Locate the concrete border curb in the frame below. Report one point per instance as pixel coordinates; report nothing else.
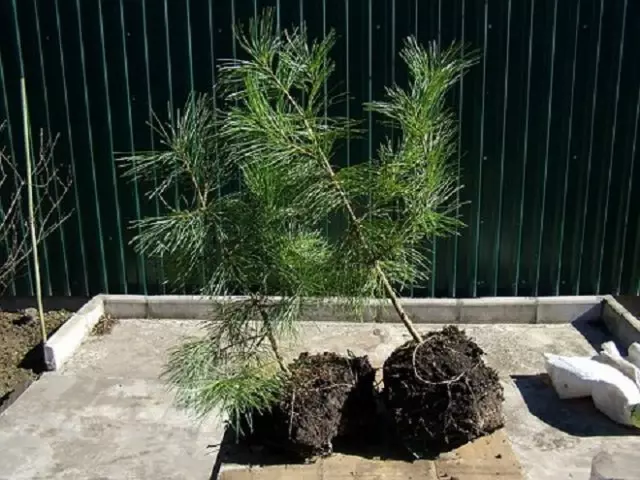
(620, 322)
(515, 310)
(491, 310)
(63, 344)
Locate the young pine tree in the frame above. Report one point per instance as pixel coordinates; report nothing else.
(225, 241)
(393, 204)
(266, 238)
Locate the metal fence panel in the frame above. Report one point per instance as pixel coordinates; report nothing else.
(548, 145)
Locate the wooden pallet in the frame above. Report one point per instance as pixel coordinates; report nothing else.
(489, 457)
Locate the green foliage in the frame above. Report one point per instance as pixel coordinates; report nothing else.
(245, 242)
(265, 241)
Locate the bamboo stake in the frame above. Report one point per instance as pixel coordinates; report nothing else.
(32, 220)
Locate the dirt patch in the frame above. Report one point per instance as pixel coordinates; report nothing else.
(440, 394)
(21, 349)
(104, 326)
(328, 396)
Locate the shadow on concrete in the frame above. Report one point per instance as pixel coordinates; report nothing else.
(596, 333)
(384, 445)
(232, 451)
(630, 302)
(577, 417)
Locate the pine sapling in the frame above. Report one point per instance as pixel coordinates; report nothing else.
(393, 203)
(226, 242)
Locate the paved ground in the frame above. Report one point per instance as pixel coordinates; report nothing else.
(107, 416)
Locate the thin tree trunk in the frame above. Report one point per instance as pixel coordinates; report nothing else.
(32, 220)
(272, 340)
(326, 164)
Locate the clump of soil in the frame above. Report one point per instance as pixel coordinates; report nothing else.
(104, 326)
(440, 393)
(21, 346)
(328, 396)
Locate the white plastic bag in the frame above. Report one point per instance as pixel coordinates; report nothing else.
(634, 354)
(574, 377)
(611, 349)
(618, 397)
(627, 368)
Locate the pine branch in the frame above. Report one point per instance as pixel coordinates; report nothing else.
(276, 120)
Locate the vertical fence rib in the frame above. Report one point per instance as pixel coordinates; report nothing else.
(114, 177)
(13, 159)
(103, 260)
(150, 120)
(370, 82)
(524, 153)
(629, 190)
(613, 141)
(348, 84)
(325, 86)
(496, 267)
(474, 288)
(190, 45)
(434, 241)
(546, 151)
(636, 262)
(278, 25)
(18, 40)
(415, 32)
(456, 240)
(65, 92)
(370, 87)
(170, 107)
(590, 153)
(45, 93)
(136, 192)
(568, 156)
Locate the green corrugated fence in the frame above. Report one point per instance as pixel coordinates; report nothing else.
(549, 126)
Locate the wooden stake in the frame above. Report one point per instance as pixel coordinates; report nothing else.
(32, 220)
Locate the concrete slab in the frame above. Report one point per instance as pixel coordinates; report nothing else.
(106, 415)
(97, 422)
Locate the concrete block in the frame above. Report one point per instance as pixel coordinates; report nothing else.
(330, 310)
(125, 306)
(568, 309)
(179, 307)
(623, 326)
(63, 344)
(433, 310)
(516, 310)
(380, 311)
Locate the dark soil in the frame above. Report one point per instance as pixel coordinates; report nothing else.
(440, 394)
(104, 326)
(21, 348)
(328, 397)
